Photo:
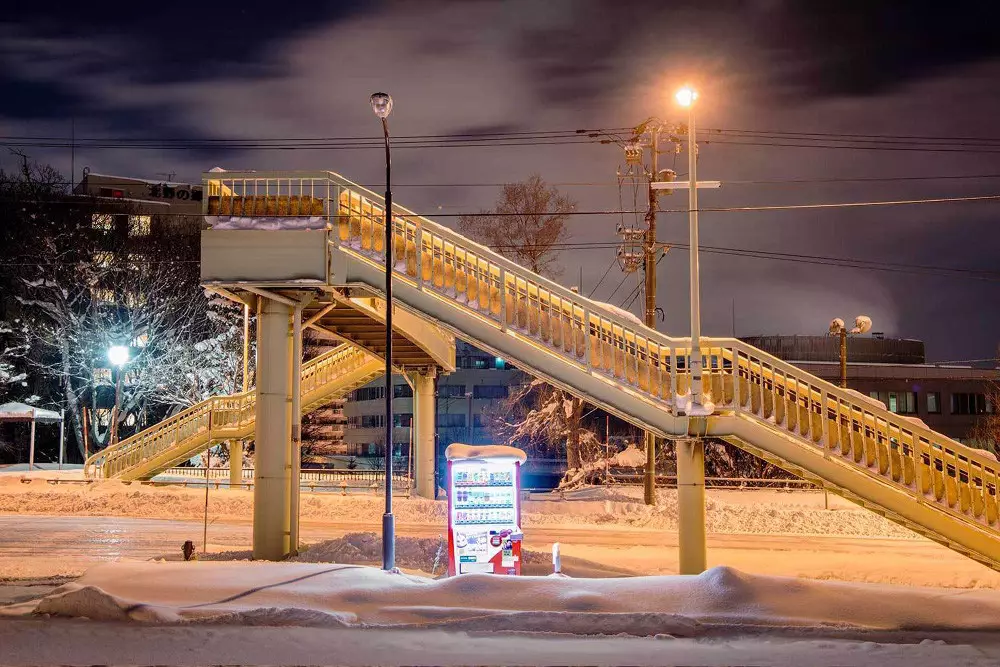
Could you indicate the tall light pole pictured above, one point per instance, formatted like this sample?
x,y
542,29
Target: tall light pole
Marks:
x,y
862,324
118,355
686,97
382,105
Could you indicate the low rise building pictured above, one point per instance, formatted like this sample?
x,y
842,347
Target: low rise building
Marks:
x,y
949,398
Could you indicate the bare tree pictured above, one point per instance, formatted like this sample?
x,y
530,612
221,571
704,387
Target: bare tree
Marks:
x,y
527,224
985,433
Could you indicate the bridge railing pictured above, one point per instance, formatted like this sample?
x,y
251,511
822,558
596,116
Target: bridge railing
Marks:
x,y
649,365
216,418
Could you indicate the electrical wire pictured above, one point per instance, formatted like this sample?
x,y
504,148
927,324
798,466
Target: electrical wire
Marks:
x,y
614,260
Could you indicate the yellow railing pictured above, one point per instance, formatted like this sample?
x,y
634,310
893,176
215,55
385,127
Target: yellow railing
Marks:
x,y
218,418
737,379
893,448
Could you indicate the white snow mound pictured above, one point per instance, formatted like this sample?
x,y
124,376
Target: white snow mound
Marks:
x,y
347,595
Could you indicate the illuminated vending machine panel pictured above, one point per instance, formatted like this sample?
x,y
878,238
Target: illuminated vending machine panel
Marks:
x,y
484,514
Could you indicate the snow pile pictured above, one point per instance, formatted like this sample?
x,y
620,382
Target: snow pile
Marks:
x,y
428,555
459,452
355,596
630,457
266,224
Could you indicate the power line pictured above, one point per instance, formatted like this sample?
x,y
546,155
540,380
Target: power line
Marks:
x,y
723,209
614,260
929,149
914,137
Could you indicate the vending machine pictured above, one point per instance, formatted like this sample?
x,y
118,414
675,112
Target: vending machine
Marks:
x,y
484,509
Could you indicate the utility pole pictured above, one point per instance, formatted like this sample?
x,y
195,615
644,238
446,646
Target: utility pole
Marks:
x,y
649,316
629,253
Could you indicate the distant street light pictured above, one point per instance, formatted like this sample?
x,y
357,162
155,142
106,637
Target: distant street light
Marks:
x,y
862,324
382,106
118,355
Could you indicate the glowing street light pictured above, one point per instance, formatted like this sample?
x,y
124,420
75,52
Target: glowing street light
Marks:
x,y
382,106
686,96
118,355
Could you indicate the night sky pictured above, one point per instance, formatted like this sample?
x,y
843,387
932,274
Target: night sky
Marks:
x,y
249,70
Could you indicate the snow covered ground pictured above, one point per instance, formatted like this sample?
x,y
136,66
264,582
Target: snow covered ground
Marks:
x,y
63,529
199,613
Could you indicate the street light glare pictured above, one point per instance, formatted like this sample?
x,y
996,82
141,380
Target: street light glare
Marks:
x,y
118,355
686,96
381,104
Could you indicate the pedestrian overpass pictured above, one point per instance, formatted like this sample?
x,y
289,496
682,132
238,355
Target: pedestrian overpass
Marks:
x,y
300,247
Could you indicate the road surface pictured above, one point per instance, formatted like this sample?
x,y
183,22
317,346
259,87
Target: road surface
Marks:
x,y
36,546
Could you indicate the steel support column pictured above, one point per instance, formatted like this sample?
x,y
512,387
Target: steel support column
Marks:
x,y
691,505
423,434
271,492
235,464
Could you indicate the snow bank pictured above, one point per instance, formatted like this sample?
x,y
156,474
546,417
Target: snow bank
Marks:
x,y
267,224
459,452
356,596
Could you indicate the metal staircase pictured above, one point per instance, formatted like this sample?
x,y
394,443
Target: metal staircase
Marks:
x,y
151,451
834,437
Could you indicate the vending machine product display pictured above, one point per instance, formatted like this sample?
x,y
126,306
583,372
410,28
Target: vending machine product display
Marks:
x,y
484,509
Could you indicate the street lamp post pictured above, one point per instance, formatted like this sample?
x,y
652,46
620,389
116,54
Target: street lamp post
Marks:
x,y
686,97
862,324
382,105
118,356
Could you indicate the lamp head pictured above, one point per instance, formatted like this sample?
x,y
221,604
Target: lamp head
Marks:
x,y
381,104
686,96
118,355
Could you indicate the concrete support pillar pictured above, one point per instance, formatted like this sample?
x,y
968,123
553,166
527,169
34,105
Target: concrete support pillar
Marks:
x,y
235,464
271,491
691,505
296,444
423,434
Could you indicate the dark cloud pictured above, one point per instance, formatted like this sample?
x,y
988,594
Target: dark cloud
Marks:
x,y
864,47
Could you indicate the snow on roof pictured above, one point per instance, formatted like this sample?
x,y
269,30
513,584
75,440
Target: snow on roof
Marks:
x,y
25,412
150,181
323,594
459,452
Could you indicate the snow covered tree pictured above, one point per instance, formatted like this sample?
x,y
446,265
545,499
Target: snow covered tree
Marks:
x,y
13,348
84,275
528,224
551,425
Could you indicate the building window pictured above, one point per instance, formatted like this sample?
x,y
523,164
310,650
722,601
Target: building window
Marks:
x,y
102,295
103,222
451,420
402,391
970,404
402,420
451,390
489,391
934,402
114,193
104,260
372,421
138,225
900,402
369,393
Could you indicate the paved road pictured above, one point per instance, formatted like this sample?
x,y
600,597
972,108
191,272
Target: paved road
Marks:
x,y
41,545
